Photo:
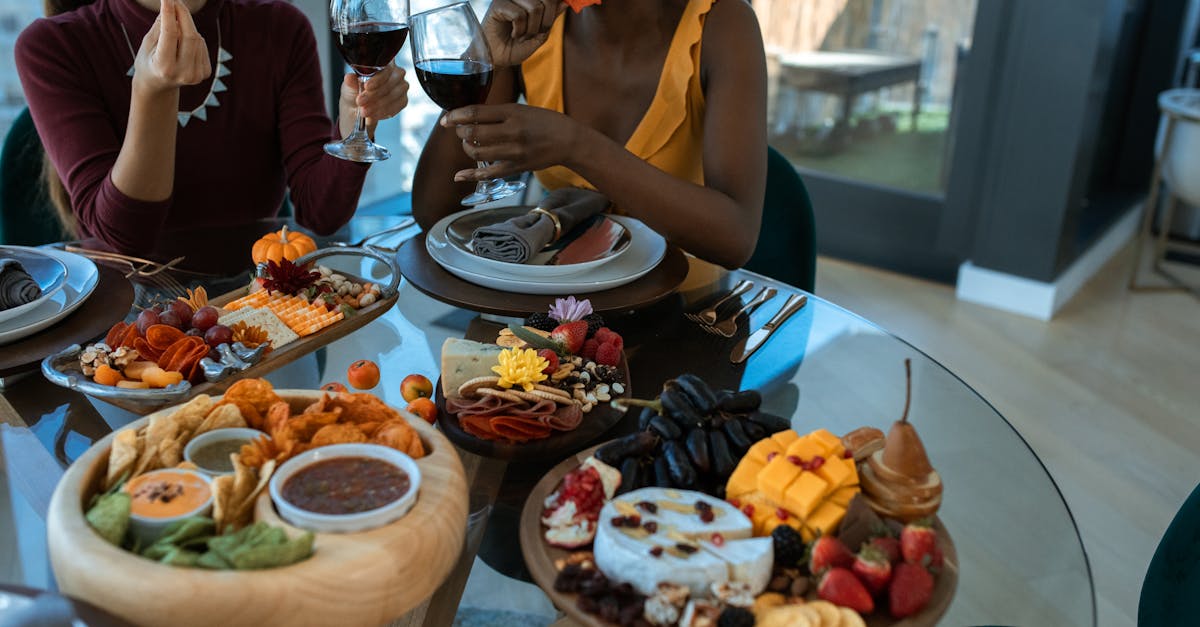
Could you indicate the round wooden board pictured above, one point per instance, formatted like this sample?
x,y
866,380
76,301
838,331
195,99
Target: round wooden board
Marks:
x,y
366,578
540,557
110,301
427,276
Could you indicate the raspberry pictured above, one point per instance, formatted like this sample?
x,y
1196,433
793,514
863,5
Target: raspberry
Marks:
x,y
603,334
616,340
608,355
589,349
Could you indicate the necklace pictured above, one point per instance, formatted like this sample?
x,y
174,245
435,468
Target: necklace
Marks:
x,y
217,86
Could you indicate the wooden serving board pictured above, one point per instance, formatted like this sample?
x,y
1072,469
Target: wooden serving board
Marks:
x,y
557,445
540,557
365,578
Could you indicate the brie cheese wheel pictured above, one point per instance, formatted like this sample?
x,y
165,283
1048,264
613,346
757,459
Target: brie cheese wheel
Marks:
x,y
683,548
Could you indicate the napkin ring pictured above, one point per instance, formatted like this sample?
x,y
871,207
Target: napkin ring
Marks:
x,y
553,218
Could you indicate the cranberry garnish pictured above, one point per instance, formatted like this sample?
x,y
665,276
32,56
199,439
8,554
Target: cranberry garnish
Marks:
x,y
686,548
648,507
618,521
656,551
702,505
718,539
650,526
706,515
781,514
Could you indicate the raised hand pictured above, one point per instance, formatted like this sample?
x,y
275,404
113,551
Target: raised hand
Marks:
x,y
173,53
516,28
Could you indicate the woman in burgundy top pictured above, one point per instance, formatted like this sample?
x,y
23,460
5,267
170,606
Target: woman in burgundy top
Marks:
x,y
191,116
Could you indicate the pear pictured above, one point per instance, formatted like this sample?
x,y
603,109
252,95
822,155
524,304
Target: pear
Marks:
x,y
903,451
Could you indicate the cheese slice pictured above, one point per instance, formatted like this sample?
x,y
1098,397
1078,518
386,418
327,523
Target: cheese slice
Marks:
x,y
722,548
463,360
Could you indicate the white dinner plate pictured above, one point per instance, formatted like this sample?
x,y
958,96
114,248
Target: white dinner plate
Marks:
x,y
645,253
49,273
82,277
460,227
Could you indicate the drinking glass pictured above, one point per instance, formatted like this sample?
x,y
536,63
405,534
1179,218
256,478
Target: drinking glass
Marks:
x,y
454,66
369,34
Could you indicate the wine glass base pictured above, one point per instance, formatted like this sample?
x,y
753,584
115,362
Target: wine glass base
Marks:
x,y
361,152
493,191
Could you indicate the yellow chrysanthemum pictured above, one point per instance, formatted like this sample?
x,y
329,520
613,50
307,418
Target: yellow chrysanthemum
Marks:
x,y
521,367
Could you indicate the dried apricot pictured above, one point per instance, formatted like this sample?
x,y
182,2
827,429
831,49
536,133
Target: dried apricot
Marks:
x,y
133,385
107,375
159,378
135,369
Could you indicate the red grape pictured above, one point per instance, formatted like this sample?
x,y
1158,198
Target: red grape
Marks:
x,y
196,332
184,311
205,317
170,319
217,335
145,320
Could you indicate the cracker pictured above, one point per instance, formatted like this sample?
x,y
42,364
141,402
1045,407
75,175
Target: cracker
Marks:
x,y
504,394
472,385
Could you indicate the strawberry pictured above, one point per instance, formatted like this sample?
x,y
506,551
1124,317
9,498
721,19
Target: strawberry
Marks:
x,y
918,543
840,587
873,568
589,349
889,545
551,358
828,552
570,335
608,354
912,587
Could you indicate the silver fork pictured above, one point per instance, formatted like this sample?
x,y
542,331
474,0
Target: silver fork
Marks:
x,y
728,326
709,316
404,224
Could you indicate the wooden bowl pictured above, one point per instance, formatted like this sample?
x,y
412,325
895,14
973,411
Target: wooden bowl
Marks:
x,y
540,557
365,578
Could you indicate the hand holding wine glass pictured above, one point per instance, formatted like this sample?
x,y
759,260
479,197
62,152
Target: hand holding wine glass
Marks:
x,y
454,66
369,34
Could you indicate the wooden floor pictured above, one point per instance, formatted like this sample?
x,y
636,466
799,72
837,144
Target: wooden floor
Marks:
x,y
1107,394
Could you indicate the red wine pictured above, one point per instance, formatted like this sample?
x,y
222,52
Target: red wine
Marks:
x,y
455,83
369,46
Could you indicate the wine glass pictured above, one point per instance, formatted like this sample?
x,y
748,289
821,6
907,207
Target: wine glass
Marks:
x,y
369,34
454,66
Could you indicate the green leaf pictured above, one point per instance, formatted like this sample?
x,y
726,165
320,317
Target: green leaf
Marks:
x,y
534,340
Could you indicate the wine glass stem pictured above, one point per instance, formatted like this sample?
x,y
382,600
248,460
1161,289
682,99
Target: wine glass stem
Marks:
x,y
486,186
360,124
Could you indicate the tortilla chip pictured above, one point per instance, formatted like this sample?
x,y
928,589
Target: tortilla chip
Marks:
x,y
223,417
162,429
147,460
255,392
186,465
340,433
170,453
192,413
122,456
222,493
253,418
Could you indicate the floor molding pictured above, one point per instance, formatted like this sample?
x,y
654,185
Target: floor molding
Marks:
x,y
1039,299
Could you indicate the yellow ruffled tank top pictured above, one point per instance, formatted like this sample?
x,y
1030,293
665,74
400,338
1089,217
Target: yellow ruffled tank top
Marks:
x,y
670,135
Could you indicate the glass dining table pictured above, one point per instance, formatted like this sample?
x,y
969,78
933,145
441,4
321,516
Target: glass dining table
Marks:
x,y
1021,559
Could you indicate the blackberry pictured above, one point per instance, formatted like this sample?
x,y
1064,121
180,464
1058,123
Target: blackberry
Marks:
x,y
789,546
541,321
736,617
594,323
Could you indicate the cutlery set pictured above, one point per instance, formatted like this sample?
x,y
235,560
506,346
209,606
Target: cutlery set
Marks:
x,y
710,320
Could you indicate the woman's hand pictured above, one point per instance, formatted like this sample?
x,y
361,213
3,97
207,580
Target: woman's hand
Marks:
x,y
386,94
519,138
173,53
516,28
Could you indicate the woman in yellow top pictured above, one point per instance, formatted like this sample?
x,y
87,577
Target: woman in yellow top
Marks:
x,y
660,105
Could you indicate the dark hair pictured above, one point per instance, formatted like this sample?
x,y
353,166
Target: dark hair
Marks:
x,y
56,192
54,7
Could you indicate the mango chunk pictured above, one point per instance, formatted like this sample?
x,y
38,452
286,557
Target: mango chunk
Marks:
x,y
805,494
762,449
775,478
838,472
826,518
744,479
831,445
843,495
784,438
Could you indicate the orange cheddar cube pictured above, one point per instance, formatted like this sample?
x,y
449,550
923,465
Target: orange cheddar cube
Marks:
x,y
831,445
826,519
803,496
775,478
784,438
762,449
744,478
838,472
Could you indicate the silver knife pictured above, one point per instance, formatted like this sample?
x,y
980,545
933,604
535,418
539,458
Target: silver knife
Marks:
x,y
746,347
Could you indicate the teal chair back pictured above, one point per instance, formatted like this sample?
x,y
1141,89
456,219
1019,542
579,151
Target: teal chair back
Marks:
x,y
787,243
26,216
1171,590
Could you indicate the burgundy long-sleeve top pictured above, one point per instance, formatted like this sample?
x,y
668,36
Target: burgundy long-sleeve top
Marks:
x,y
266,134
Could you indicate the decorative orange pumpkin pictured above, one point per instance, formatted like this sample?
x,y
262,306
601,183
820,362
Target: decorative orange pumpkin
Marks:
x,y
282,244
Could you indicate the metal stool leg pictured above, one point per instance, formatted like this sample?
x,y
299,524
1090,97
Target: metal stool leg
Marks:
x,y
1150,207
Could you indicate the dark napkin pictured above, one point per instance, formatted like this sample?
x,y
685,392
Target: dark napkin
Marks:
x,y
16,286
518,239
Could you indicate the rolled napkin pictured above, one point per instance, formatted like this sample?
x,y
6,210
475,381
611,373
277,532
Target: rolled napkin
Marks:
x,y
518,239
16,286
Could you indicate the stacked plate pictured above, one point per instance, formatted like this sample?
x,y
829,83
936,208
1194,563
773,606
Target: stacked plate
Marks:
x,y
66,280
617,250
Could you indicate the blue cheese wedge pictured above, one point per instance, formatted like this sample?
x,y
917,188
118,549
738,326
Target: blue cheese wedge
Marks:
x,y
463,360
654,535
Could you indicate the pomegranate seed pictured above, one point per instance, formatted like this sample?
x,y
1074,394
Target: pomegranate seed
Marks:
x,y
795,460
718,539
648,506
748,509
650,526
781,514
734,502
817,462
656,551
848,454
772,455
706,515
618,521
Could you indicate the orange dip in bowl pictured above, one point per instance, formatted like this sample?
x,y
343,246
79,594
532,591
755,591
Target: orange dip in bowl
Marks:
x,y
168,493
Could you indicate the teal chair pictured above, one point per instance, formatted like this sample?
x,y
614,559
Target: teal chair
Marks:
x,y
26,216
787,244
1171,590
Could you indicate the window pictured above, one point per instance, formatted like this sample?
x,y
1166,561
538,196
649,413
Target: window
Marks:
x,y
15,15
